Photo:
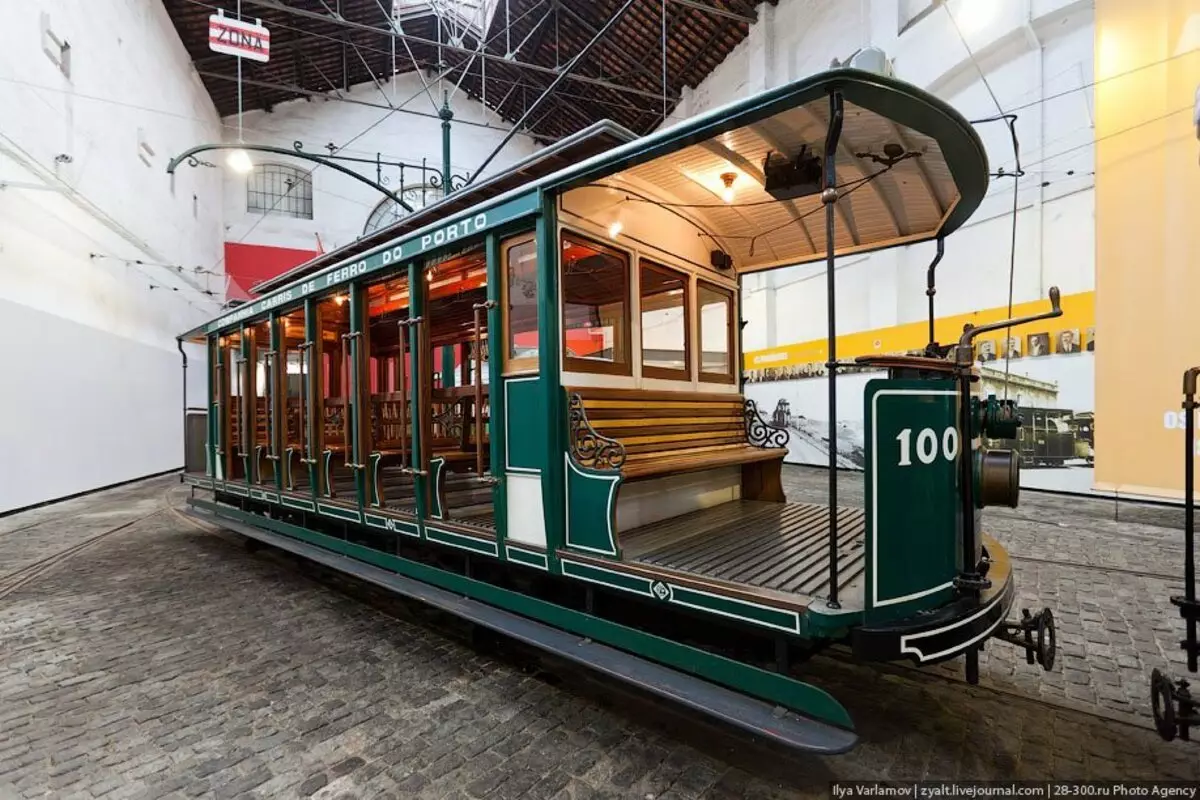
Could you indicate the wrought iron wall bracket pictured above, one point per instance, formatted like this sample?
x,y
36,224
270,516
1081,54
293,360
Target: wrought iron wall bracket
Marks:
x,y
761,433
589,448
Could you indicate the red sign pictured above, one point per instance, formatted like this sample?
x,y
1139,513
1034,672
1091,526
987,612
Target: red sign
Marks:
x,y
238,38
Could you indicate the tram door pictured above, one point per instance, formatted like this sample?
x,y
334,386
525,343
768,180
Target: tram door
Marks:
x,y
294,432
331,375
260,385
385,378
455,370
230,413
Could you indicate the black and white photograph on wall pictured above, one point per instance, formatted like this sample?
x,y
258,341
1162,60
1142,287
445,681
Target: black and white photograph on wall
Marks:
x,y
1039,344
1054,393
1091,340
1067,341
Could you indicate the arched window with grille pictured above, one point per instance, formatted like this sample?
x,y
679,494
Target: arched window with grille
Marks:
x,y
280,189
388,212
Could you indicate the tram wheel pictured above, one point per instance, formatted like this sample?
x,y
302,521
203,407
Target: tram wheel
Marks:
x,y
1047,640
1162,700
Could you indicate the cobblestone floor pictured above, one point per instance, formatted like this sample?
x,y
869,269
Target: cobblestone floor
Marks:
x,y
167,661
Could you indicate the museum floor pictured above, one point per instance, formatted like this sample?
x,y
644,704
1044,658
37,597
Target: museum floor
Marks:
x,y
142,655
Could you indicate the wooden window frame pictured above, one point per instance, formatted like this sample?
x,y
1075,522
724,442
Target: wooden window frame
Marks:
x,y
510,365
667,373
570,363
731,335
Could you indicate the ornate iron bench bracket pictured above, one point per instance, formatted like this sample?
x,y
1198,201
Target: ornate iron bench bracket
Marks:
x,y
761,433
589,448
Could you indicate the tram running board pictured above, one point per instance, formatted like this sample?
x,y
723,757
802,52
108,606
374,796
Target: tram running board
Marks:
x,y
747,713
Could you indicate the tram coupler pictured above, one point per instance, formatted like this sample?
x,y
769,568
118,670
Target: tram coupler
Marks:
x,y
1036,634
1173,705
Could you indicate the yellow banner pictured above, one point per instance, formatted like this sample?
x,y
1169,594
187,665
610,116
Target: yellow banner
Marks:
x,y
1073,332
1147,260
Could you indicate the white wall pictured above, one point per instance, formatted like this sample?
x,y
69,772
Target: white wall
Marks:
x,y
1028,51
341,204
93,395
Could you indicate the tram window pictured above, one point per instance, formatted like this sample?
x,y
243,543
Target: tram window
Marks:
x,y
521,290
716,332
595,288
664,306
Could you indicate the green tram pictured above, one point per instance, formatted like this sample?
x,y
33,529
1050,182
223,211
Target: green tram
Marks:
x,y
523,405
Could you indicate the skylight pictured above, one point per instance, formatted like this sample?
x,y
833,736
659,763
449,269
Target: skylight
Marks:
x,y
461,17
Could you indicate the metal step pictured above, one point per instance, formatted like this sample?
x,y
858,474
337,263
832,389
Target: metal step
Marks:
x,y
748,713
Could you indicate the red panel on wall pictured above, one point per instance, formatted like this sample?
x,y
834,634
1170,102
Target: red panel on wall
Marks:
x,y
248,264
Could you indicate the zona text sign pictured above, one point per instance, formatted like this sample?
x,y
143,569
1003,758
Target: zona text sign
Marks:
x,y
236,37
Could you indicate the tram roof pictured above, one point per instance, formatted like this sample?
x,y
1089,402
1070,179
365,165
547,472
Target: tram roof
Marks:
x,y
928,193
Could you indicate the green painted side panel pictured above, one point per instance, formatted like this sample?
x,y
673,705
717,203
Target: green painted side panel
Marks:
x,y
389,523
727,606
591,509
607,577
460,541
495,350
337,512
552,401
912,452
772,687
376,458
525,425
527,557
445,233
437,473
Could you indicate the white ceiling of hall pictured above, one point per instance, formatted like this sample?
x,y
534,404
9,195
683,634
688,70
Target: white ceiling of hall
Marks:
x,y
880,205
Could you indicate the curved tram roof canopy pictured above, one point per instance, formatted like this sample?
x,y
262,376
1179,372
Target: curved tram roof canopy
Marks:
x,y
909,168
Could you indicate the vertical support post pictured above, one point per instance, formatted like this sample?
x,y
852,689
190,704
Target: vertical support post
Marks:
x,y
1189,511
829,196
278,399
417,288
357,411
183,355
314,389
247,404
212,438
550,379
930,285
445,114
495,274
402,372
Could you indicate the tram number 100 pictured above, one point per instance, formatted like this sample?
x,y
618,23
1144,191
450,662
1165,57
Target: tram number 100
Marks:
x,y
929,445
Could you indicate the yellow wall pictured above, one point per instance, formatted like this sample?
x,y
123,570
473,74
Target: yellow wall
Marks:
x,y
1147,229
1078,315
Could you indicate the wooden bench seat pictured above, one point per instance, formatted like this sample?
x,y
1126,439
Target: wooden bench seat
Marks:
x,y
648,434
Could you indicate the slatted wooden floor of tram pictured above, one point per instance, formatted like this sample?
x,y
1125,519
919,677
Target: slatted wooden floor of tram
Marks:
x,y
779,547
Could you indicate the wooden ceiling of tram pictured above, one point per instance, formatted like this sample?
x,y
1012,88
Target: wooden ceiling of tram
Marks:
x,y
319,48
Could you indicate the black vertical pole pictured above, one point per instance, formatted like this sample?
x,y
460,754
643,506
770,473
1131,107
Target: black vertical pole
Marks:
x,y
1189,511
829,197
930,283
179,344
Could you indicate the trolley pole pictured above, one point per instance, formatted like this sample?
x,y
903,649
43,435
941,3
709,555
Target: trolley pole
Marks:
x,y
829,196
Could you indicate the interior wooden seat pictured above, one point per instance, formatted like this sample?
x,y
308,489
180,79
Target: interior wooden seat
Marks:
x,y
667,433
